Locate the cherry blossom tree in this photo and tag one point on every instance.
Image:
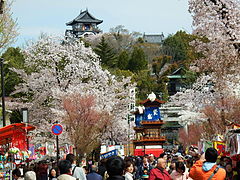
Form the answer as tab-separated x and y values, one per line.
59	68
85	123
207	102
118	38
192	136
218	21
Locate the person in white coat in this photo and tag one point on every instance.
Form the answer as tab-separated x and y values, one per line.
77	172
129	169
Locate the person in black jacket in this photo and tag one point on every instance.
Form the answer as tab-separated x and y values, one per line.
102	167
115	167
145	168
16	173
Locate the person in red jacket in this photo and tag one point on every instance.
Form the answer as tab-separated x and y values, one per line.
159	173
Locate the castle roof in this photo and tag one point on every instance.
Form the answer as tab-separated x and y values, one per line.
84	17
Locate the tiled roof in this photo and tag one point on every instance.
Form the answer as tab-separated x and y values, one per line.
179	73
84	17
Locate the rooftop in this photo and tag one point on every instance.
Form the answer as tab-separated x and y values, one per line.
153	38
149	103
84	17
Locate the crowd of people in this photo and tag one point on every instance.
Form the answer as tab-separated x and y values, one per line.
168	166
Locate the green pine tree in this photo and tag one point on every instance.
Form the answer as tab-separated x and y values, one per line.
105	53
123	60
138	60
145	84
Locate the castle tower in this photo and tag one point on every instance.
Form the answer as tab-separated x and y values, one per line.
83	25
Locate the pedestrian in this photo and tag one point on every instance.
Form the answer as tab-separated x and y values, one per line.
224	160
206	167
189	163
65	168
86	170
169	162
237	176
30	175
102	167
229	171
160	173
129	169
77	172
180	173
53	174
172	166
145	168
16	173
152	160
180	158
41	170
138	162
163	155
93	175
115	168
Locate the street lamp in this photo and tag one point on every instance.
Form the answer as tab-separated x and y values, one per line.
3	93
25	115
2	75
25	120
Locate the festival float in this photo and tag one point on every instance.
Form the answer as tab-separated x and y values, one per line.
148	128
13	147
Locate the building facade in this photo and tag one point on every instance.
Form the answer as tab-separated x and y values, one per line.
153	38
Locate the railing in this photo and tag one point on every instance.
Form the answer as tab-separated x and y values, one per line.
72	31
152	122
158	138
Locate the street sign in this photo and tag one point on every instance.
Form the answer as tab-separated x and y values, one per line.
109	154
57	129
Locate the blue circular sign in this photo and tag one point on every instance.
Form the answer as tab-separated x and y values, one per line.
57	129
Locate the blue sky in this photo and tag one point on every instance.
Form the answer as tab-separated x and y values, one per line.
149	16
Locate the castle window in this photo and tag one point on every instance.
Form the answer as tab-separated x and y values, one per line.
87	26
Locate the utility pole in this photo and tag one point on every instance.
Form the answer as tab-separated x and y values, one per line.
3	93
1	6
2	75
129	126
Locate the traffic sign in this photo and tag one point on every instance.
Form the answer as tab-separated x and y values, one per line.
57	129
